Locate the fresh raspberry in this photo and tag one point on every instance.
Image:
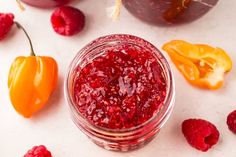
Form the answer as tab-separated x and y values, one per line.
231	121
6	22
67	20
38	151
200	134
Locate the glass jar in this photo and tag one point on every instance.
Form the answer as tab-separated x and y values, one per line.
45	3
119	139
165	12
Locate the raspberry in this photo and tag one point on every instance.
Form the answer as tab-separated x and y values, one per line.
200	134
6	22
67	20
231	121
38	151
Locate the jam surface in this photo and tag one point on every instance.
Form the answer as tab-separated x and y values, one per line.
46	3
121	88
165	12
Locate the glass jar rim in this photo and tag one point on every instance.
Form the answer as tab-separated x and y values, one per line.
116	38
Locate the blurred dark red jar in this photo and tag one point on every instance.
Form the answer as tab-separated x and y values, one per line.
45	3
165	12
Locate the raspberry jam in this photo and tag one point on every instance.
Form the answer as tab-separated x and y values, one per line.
120	91
45	3
121	88
165	12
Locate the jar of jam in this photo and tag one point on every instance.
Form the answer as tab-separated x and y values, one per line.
120	91
165	12
45	3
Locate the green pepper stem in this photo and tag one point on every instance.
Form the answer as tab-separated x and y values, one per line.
30	42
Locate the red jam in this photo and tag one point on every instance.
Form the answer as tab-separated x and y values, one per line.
46	3
163	12
122	88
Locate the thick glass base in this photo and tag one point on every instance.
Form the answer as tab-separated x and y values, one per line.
126	145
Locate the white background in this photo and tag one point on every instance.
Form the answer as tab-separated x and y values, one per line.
53	127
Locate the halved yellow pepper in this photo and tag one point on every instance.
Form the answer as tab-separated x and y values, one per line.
202	65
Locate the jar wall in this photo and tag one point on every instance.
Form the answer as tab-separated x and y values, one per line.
126	142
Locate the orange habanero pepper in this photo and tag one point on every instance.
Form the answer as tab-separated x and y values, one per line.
202	65
31	81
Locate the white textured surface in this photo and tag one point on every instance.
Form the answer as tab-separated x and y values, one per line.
53	126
